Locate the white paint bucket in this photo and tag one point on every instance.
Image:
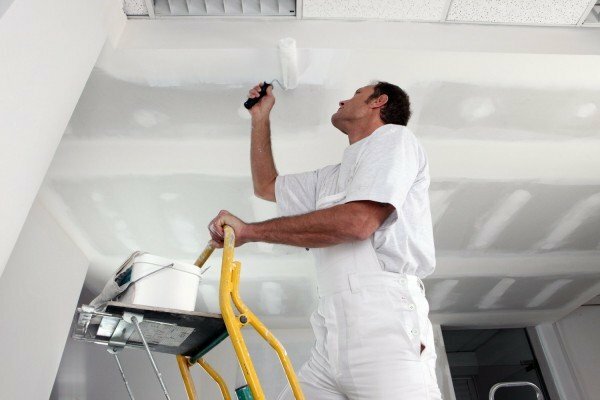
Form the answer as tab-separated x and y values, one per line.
159	282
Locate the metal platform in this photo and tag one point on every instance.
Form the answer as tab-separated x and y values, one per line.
165	330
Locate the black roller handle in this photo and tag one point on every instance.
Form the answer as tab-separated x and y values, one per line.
263	91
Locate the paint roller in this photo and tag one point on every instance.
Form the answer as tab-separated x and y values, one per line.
288	60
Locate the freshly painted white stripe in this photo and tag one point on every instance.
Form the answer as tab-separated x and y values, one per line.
440	200
569	223
548	292
490	226
438	298
491	299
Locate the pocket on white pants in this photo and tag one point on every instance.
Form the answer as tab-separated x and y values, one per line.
382	328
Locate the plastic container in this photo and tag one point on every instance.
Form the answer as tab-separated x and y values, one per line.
159	282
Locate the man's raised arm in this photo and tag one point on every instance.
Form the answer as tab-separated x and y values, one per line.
264	172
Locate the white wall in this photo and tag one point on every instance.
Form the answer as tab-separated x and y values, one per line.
580	334
571	354
48	49
38	295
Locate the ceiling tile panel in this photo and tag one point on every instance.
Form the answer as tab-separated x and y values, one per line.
135	7
567	12
406	10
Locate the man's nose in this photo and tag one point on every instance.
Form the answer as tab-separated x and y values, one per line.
341	103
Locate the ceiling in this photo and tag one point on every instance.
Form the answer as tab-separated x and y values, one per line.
158	144
542	12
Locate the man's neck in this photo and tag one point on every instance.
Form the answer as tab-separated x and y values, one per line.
357	133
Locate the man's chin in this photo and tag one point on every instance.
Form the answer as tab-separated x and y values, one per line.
335	119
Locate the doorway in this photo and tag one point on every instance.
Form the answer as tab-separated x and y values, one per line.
480	358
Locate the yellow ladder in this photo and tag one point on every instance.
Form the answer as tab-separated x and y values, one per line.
228	294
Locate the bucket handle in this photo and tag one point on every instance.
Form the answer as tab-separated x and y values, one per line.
151	273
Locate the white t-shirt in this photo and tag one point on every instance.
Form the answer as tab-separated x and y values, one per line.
388	166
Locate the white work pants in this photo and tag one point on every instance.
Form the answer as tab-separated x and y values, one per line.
369	327
368	343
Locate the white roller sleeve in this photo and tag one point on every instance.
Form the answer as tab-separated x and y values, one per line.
289	62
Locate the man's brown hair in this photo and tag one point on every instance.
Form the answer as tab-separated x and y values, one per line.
397	109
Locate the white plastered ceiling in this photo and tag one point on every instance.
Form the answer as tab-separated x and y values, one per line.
158	144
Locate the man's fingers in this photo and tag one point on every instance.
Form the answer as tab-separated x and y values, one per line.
214	235
212	227
216	245
254	92
216	227
219	223
217	230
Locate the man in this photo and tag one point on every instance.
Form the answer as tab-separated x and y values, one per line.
368	221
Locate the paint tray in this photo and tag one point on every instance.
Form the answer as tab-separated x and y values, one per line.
166	330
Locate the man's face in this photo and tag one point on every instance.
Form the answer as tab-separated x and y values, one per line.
353	108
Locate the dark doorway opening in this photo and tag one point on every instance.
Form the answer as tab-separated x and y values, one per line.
480	358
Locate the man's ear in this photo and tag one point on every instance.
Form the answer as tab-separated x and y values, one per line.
380	101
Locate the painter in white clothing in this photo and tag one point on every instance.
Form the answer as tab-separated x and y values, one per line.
368	222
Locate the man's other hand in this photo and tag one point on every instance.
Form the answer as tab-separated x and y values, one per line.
216	229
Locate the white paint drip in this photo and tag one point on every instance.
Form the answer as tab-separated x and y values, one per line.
438	295
490	226
548	292
490	300
569	223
